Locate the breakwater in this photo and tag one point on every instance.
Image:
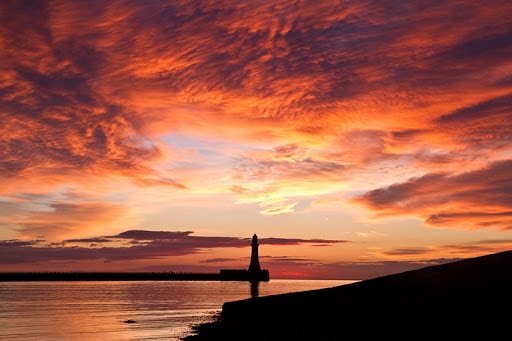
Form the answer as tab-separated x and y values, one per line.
223	275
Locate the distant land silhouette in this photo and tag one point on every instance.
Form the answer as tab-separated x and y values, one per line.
464	300
253	274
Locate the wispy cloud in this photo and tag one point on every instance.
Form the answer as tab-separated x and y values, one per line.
460	250
58	218
476	199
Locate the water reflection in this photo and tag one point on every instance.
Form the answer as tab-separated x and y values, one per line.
255	289
96	310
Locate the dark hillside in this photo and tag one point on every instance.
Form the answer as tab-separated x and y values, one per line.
468	299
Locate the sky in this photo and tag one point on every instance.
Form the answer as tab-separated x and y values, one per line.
356	138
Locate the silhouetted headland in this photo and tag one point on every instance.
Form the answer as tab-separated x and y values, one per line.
253	274
463	300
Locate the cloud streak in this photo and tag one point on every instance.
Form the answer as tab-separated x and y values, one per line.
477	199
147	245
54	219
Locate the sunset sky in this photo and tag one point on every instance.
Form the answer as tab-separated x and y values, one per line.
356	138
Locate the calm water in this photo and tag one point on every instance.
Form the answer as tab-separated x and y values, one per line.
96	310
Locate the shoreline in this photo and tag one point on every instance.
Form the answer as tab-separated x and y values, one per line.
459	300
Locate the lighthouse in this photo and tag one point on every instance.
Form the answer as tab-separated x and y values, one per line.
253	274
254	266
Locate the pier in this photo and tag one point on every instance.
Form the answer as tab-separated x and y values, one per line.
253	274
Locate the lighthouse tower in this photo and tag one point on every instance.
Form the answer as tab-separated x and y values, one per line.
253	274
254	267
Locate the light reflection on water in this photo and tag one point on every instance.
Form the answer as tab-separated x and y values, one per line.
96	310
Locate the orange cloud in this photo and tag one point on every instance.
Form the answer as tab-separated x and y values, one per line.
322	99
59	219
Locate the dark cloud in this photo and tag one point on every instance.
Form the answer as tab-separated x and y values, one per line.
494	241
207	242
273	259
408	251
152	235
478	247
218	260
407	134
89	240
491	47
159	182
480	198
365	270
149	245
504	82
18	243
484	125
292	241
484	218
487	110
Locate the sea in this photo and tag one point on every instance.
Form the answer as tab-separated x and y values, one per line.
158	310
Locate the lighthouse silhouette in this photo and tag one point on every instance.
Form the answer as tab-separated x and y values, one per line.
254	266
253	274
